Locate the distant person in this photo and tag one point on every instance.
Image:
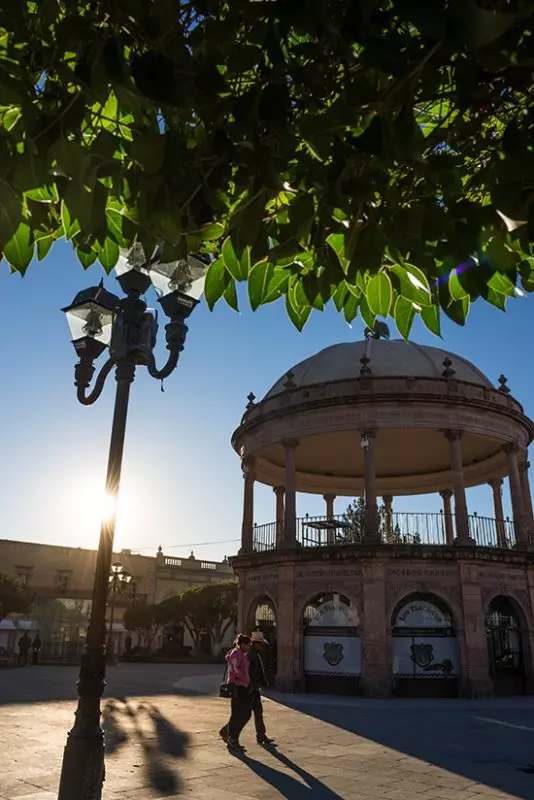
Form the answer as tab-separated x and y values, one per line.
258	681
237	675
24	648
36	649
128	648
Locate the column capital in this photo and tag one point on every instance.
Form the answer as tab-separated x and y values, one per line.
278	490
388	499
495	483
510	447
247	465
329	498
290	443
453	435
446	494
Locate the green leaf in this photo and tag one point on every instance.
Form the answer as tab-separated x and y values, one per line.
230	295
237	266
458	310
431	318
43	246
456	289
339	297
19	249
148	149
115	219
86	256
278	285
350	307
71	226
502	284
366	313
337	243
10	212
211	231
496	299
217	281
258	283
404	314
109	254
379	294
296	313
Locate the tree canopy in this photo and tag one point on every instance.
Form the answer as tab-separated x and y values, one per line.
13	597
373	153
208	609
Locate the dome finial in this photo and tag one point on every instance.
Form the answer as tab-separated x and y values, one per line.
289	383
250	397
364	369
503	380
448	372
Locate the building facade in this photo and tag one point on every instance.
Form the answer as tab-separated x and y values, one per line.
60	582
405	604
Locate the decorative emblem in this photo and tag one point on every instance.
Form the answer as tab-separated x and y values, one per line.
423	657
333	653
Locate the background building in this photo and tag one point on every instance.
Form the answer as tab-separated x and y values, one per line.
60	582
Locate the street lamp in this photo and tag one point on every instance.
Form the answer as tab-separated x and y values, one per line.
118	582
98	320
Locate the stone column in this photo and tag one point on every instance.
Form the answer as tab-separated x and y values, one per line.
290	512
371	532
241	601
388	502
247	528
496	487
377	669
446	495
279	492
524	467
476	679
512	451
330	534
460	501
286	631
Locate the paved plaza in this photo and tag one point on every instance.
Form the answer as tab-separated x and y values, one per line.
162	721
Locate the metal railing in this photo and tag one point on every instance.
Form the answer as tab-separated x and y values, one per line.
396	528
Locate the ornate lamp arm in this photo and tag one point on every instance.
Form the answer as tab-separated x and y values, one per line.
83	372
176	332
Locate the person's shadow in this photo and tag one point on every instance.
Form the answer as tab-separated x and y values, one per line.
285	784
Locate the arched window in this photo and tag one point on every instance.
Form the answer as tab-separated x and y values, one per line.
425	652
332	648
505	649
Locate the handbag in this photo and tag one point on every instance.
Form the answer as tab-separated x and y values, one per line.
227	690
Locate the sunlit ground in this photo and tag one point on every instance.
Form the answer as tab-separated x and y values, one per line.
162	742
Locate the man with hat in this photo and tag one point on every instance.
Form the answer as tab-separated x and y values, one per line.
258	681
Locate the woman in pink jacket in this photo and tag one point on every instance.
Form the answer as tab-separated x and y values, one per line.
237	675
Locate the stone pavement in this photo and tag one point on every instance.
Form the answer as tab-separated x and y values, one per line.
161	723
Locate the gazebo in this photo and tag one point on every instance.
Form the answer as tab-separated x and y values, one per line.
380	419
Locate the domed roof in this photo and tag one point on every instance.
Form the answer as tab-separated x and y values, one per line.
395	358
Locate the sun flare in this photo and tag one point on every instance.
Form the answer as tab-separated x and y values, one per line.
87	504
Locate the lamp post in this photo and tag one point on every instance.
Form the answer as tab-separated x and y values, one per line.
98	319
118	582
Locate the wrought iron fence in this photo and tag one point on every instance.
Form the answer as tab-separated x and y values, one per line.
395	528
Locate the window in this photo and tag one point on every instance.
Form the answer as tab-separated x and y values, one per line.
62	582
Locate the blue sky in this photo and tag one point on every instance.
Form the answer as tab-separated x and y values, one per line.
182	485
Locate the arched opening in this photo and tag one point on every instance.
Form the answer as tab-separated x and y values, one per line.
505	648
332	646
262	617
425	650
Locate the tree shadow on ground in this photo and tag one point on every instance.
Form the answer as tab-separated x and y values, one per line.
486	742
161	742
287	785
